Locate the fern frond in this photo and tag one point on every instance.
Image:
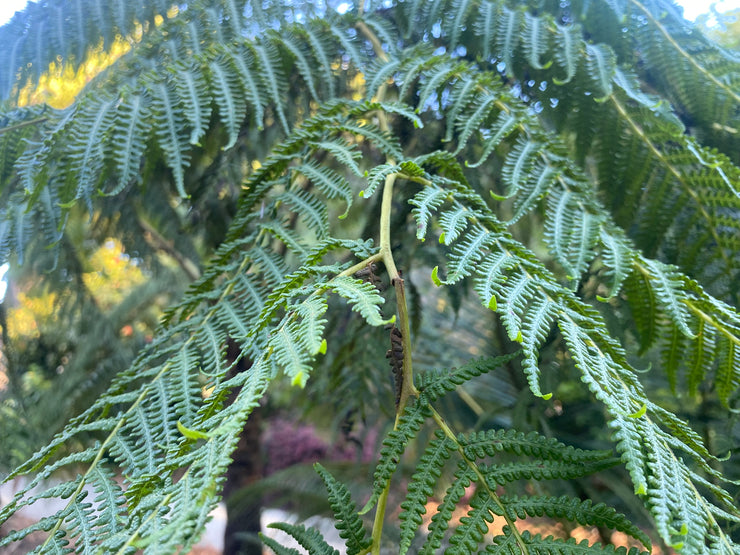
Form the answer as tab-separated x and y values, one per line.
348	522
474	526
229	96
575	510
363	297
272	78
572	233
88	133
170	131
426	203
434	384
558	546
480	445
394	445
311	540
507	36
421	487
567	56
537	41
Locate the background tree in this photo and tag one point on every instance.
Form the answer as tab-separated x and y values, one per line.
570	166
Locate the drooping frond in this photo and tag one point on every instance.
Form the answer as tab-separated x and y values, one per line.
163	98
41	34
248	295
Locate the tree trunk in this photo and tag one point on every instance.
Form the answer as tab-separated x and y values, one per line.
243	518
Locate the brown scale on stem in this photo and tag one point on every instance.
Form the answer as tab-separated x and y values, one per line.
368	274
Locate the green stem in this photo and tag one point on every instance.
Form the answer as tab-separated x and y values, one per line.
386	255
23	124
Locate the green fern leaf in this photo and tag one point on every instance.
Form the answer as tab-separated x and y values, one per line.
666	284
128	138
727	379
455	25
363	297
277	548
310	209
230	98
572	233
434	81
298	339
348	522
290	42
536	326
87	152
421	487
394	445
243	61
170	132
702	356
537	40
618	257
453	223
379	74
311	540
627	81
434	384
504	125
467	253
323	56
350	48
383	30
464	477
500	475
568	37
518	164
426	202
191	86
463	91
474	526
601	65
329	182
492	273
376	176
471	123
485	26
556	546
507	36
480	445
575	510
272	78
343	152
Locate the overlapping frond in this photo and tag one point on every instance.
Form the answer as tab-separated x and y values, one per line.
162	97
272	309
538	121
530	301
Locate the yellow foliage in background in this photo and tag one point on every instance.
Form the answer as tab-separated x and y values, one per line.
23	320
59	86
61	83
112	277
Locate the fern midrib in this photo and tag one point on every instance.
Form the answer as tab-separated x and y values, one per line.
136	405
481	478
691	59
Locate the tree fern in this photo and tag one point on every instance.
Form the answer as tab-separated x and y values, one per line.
513	156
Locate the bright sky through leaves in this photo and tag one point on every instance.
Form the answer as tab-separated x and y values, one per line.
692	8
